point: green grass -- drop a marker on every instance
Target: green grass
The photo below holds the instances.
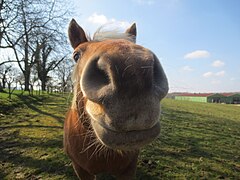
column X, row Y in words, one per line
column 197, row 141
column 31, row 138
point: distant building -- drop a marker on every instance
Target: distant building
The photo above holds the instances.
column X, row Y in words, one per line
column 198, row 97
column 231, row 98
column 228, row 98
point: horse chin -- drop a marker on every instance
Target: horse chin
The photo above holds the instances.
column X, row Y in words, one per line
column 125, row 140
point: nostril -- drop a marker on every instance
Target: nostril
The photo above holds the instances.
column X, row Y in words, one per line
column 157, row 71
column 160, row 79
column 94, row 81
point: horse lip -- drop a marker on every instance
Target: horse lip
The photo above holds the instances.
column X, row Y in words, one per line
column 126, row 140
column 115, row 131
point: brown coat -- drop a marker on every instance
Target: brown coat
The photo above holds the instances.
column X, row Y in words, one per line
column 118, row 86
column 89, row 160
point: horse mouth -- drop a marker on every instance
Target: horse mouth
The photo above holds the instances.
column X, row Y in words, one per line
column 125, row 140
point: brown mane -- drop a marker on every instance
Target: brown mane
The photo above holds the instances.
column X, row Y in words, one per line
column 115, row 111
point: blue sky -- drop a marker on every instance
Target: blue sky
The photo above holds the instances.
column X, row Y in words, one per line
column 197, row 41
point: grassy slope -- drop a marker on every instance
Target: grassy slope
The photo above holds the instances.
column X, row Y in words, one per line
column 198, row 140
column 31, row 139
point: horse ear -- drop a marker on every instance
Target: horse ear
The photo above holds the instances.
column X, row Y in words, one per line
column 76, row 34
column 132, row 30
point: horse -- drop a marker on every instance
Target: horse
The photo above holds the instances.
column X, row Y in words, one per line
column 115, row 111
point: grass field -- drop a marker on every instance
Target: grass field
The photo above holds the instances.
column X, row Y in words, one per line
column 198, row 140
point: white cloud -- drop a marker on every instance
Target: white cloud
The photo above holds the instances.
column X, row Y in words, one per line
column 197, row 54
column 218, row 63
column 187, row 69
column 211, row 74
column 100, row 19
column 220, row 73
column 145, row 2
column 208, row 74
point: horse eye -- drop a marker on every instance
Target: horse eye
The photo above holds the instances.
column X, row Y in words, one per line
column 76, row 56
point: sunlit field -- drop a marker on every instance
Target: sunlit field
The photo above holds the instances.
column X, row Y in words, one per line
column 197, row 141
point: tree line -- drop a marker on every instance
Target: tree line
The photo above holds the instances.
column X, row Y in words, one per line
column 33, row 44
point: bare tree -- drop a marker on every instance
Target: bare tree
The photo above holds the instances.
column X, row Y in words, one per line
column 33, row 80
column 48, row 56
column 64, row 72
column 10, row 79
column 20, row 81
column 1, row 19
column 3, row 76
column 28, row 20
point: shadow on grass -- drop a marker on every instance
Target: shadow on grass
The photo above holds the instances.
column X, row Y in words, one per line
column 15, row 150
column 34, row 101
column 2, row 175
column 30, row 126
column 190, row 146
column 193, row 145
column 36, row 157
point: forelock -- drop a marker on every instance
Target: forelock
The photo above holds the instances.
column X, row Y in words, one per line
column 102, row 34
